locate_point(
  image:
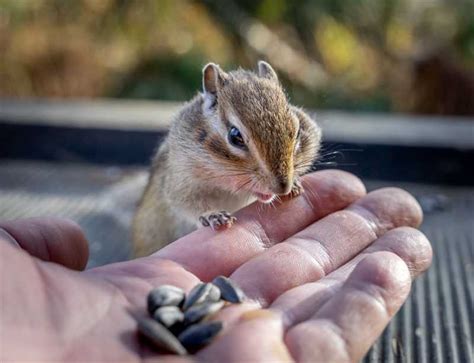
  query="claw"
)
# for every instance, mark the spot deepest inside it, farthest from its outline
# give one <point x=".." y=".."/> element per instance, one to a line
<point x="217" y="220"/>
<point x="204" y="221"/>
<point x="297" y="189"/>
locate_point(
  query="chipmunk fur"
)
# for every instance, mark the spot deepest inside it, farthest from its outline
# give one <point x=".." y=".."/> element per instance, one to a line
<point x="236" y="142"/>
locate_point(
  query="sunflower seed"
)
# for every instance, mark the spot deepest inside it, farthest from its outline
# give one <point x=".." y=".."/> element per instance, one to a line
<point x="214" y="294"/>
<point x="160" y="336"/>
<point x="229" y="290"/>
<point x="198" y="312"/>
<point x="200" y="334"/>
<point x="199" y="294"/>
<point x="164" y="295"/>
<point x="168" y="315"/>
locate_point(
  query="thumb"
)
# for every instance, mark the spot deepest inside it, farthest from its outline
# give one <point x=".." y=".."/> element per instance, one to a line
<point x="49" y="239"/>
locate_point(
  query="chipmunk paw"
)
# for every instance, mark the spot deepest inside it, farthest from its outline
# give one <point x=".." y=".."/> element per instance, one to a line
<point x="217" y="220"/>
<point x="297" y="189"/>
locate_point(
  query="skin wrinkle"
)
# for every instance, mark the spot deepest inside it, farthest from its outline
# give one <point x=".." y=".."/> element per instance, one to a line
<point x="410" y="264"/>
<point x="338" y="333"/>
<point x="45" y="243"/>
<point x="375" y="303"/>
<point x="129" y="304"/>
<point x="154" y="262"/>
<point x="80" y="331"/>
<point x="8" y="238"/>
<point x="259" y="233"/>
<point x="265" y="300"/>
<point x="370" y="219"/>
<point x="112" y="303"/>
<point x="399" y="244"/>
<point x="323" y="249"/>
<point x="329" y="327"/>
<point x="323" y="253"/>
<point x="408" y="213"/>
<point x="380" y="290"/>
<point x="45" y="277"/>
<point x="116" y="286"/>
<point x="174" y="264"/>
<point x="405" y="238"/>
<point x="374" y="294"/>
<point x="321" y="267"/>
<point x="290" y="319"/>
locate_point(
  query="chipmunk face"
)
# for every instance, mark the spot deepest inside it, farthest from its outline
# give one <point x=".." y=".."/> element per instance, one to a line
<point x="256" y="140"/>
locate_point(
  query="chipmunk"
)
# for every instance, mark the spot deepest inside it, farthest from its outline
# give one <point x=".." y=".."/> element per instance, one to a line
<point x="236" y="142"/>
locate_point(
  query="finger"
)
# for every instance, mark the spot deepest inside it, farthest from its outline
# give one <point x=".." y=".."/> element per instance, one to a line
<point x="300" y="303"/>
<point x="350" y="321"/>
<point x="207" y="253"/>
<point x="410" y="244"/>
<point x="327" y="244"/>
<point x="324" y="193"/>
<point x="256" y="338"/>
<point x="49" y="239"/>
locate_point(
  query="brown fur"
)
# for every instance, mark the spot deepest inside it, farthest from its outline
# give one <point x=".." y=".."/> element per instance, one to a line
<point x="197" y="171"/>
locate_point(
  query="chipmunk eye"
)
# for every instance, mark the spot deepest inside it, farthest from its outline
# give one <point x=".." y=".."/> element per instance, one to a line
<point x="235" y="138"/>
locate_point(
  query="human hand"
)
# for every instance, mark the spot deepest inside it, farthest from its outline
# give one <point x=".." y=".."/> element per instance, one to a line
<point x="325" y="272"/>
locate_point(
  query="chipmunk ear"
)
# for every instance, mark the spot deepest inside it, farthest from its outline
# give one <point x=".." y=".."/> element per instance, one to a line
<point x="265" y="70"/>
<point x="213" y="77"/>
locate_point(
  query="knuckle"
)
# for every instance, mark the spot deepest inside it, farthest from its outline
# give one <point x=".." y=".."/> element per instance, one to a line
<point x="387" y="271"/>
<point x="412" y="246"/>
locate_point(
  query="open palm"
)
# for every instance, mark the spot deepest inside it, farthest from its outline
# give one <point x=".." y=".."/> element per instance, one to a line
<point x="325" y="273"/>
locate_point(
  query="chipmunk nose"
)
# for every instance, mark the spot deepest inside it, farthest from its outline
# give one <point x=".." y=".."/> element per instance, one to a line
<point x="282" y="185"/>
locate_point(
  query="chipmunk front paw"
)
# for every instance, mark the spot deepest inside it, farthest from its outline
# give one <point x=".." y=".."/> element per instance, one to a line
<point x="217" y="220"/>
<point x="297" y="189"/>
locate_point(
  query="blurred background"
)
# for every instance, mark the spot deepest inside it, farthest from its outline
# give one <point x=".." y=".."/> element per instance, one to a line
<point x="369" y="55"/>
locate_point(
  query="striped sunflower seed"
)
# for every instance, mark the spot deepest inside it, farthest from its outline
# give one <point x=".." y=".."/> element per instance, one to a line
<point x="229" y="290"/>
<point x="168" y="315"/>
<point x="164" y="295"/>
<point x="200" y="293"/>
<point x="160" y="336"/>
<point x="214" y="294"/>
<point x="198" y="312"/>
<point x="201" y="334"/>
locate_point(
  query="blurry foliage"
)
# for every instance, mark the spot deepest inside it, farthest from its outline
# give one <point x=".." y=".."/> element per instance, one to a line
<point x="381" y="55"/>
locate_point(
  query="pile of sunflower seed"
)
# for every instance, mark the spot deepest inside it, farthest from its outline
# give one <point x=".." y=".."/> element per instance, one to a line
<point x="179" y="323"/>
